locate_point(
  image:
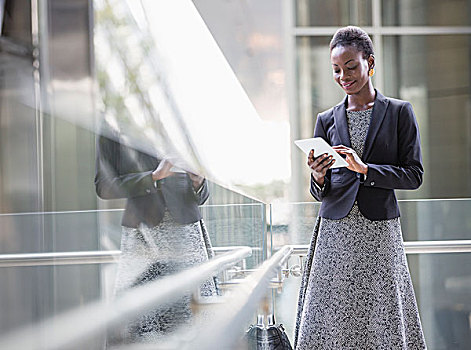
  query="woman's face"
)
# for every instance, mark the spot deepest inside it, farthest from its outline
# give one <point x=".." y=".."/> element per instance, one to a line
<point x="350" y="68"/>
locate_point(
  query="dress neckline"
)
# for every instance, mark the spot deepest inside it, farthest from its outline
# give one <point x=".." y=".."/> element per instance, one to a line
<point x="369" y="110"/>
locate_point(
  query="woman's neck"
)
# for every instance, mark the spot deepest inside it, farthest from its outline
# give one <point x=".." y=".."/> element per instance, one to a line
<point x="364" y="99"/>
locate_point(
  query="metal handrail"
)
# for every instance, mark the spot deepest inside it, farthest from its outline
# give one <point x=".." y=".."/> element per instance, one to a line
<point x="59" y="258"/>
<point x="112" y="256"/>
<point x="78" y="258"/>
<point x="416" y="247"/>
<point x="455" y="246"/>
<point x="76" y="326"/>
<point x="224" y="327"/>
<point x="229" y="248"/>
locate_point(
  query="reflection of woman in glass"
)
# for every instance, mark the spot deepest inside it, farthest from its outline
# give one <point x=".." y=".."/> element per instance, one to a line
<point x="356" y="291"/>
<point x="163" y="232"/>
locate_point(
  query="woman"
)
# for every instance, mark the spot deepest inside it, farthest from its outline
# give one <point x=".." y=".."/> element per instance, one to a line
<point x="162" y="228"/>
<point x="356" y="291"/>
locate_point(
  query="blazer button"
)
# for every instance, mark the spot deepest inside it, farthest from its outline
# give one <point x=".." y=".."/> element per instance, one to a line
<point x="372" y="183"/>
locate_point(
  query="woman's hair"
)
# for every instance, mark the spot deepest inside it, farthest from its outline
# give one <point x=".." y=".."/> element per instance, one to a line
<point x="353" y="36"/>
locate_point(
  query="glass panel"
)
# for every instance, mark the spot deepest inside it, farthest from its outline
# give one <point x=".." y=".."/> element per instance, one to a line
<point x="421" y="220"/>
<point x="442" y="284"/>
<point x="33" y="293"/>
<point x="433" y="73"/>
<point x="53" y="232"/>
<point x="228" y="225"/>
<point x="238" y="225"/>
<point x="426" y="12"/>
<point x="333" y="13"/>
<point x="429" y="220"/>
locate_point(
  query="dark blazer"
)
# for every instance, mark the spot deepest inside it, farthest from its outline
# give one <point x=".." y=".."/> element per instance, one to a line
<point x="123" y="172"/>
<point x="391" y="151"/>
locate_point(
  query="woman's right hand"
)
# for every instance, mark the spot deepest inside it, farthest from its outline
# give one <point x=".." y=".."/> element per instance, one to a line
<point x="319" y="166"/>
<point x="163" y="170"/>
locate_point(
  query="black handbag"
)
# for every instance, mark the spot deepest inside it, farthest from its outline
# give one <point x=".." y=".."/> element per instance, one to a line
<point x="272" y="337"/>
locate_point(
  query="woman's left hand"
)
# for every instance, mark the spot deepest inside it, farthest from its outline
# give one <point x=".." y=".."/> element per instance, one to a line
<point x="354" y="161"/>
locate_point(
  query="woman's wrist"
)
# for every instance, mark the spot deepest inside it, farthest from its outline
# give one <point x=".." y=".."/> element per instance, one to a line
<point x="319" y="181"/>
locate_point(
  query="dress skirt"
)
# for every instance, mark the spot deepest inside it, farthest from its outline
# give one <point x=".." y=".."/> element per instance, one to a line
<point x="356" y="291"/>
<point x="148" y="254"/>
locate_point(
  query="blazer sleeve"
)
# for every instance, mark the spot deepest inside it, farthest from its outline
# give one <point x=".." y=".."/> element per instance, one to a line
<point x="203" y="194"/>
<point x="316" y="191"/>
<point x="109" y="184"/>
<point x="408" y="173"/>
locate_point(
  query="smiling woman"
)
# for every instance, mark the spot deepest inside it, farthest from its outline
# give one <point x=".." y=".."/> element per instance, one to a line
<point x="356" y="290"/>
<point x="353" y="64"/>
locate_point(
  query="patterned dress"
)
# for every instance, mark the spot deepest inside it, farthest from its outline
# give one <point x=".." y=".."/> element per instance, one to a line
<point x="356" y="291"/>
<point x="148" y="254"/>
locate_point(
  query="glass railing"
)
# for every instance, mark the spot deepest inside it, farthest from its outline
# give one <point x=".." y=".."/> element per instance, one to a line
<point x="84" y="248"/>
<point x="55" y="262"/>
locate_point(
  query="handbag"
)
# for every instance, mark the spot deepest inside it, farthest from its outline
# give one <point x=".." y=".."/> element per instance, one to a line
<point x="272" y="337"/>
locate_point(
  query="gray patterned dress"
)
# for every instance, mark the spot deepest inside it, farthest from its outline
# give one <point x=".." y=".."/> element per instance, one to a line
<point x="150" y="253"/>
<point x="356" y="291"/>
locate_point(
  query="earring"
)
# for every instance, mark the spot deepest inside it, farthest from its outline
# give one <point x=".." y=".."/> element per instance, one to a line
<point x="371" y="72"/>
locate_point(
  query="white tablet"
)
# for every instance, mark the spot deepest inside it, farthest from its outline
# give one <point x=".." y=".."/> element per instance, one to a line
<point x="319" y="146"/>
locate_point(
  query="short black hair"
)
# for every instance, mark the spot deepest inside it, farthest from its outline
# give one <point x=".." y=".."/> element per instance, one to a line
<point x="353" y="36"/>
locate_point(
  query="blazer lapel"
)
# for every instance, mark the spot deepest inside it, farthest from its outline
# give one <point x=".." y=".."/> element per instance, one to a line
<point x="340" y="118"/>
<point x="377" y="116"/>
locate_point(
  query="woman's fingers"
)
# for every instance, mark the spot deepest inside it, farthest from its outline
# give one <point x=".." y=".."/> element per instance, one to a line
<point x="322" y="164"/>
<point x="329" y="164"/>
<point x="345" y="151"/>
<point x="321" y="159"/>
<point x="310" y="157"/>
<point x="342" y="148"/>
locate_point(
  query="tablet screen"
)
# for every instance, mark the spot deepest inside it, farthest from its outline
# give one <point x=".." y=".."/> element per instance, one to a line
<point x="319" y="146"/>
